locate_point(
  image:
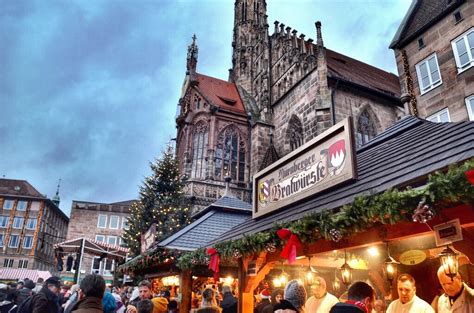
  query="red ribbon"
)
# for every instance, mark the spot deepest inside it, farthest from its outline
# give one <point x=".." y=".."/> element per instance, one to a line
<point x="214" y="262"/>
<point x="470" y="176"/>
<point x="293" y="243"/>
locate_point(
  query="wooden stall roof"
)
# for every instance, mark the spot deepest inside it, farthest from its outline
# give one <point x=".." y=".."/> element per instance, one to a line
<point x="218" y="218"/>
<point x="409" y="150"/>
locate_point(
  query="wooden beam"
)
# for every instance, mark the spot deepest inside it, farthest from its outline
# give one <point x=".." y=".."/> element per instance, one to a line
<point x="186" y="283"/>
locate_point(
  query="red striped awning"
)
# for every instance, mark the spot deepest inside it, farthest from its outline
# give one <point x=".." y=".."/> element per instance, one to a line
<point x="22" y="273"/>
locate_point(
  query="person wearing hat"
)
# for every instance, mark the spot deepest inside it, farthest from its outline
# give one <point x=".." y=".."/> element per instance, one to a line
<point x="265" y="295"/>
<point x="294" y="298"/>
<point x="321" y="301"/>
<point x="209" y="303"/>
<point x="160" y="305"/>
<point x="46" y="300"/>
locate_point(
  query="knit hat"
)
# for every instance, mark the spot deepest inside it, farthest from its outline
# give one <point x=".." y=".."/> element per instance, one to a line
<point x="160" y="305"/>
<point x="53" y="280"/>
<point x="265" y="294"/>
<point x="295" y="293"/>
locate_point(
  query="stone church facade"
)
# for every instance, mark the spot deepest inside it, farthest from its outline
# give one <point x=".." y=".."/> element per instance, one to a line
<point x="282" y="91"/>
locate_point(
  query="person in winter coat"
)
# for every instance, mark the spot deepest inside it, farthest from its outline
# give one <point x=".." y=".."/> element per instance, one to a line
<point x="229" y="302"/>
<point x="8" y="300"/>
<point x="361" y="298"/>
<point x="92" y="290"/>
<point x="294" y="298"/>
<point x="265" y="296"/>
<point x="72" y="300"/>
<point x="46" y="300"/>
<point x="26" y="291"/>
<point x="108" y="303"/>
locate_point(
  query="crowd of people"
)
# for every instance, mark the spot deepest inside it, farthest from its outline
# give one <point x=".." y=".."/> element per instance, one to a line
<point x="92" y="296"/>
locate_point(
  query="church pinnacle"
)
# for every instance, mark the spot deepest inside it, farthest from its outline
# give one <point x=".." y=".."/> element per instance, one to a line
<point x="56" y="198"/>
<point x="192" y="57"/>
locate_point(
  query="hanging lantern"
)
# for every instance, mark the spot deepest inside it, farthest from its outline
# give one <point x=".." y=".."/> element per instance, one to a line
<point x="449" y="261"/>
<point x="310" y="274"/>
<point x="390" y="267"/>
<point x="346" y="271"/>
<point x="283" y="278"/>
<point x="336" y="285"/>
<point x="276" y="282"/>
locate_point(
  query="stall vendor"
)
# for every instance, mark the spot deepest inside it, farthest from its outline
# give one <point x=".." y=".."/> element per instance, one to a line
<point x="458" y="296"/>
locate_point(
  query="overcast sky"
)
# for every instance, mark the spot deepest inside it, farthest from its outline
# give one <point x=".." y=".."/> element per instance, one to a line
<point x="89" y="88"/>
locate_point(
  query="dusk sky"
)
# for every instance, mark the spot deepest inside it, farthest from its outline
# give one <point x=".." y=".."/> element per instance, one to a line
<point x="89" y="88"/>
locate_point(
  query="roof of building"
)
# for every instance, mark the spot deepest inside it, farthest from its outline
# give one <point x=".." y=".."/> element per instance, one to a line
<point x="23" y="189"/>
<point x="99" y="206"/>
<point x="15" y="187"/>
<point x="218" y="218"/>
<point x="421" y="15"/>
<point x="409" y="150"/>
<point x="362" y="74"/>
<point x="220" y="93"/>
<point x="270" y="156"/>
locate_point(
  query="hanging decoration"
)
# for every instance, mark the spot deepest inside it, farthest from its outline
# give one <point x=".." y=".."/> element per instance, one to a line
<point x="214" y="262"/>
<point x="335" y="234"/>
<point x="292" y="244"/>
<point x="470" y="176"/>
<point x="423" y="213"/>
<point x="270" y="247"/>
<point x="237" y="254"/>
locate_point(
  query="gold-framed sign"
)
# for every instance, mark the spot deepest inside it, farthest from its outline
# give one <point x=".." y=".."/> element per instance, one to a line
<point x="321" y="163"/>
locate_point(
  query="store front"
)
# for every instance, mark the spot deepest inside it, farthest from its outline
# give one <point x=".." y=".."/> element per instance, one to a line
<point x="376" y="213"/>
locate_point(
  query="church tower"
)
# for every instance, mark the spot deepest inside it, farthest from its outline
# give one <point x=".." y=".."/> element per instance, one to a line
<point x="250" y="56"/>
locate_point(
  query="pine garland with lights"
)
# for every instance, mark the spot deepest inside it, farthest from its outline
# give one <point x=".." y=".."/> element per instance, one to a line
<point x="161" y="201"/>
<point x="443" y="190"/>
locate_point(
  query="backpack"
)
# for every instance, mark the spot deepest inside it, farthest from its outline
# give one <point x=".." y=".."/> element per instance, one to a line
<point x="25" y="306"/>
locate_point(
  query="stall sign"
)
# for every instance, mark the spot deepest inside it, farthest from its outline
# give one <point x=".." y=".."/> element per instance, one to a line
<point x="448" y="232"/>
<point x="412" y="257"/>
<point x="321" y="163"/>
<point x="148" y="238"/>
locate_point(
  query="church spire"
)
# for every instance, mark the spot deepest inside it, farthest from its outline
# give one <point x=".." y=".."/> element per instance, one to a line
<point x="56" y="198"/>
<point x="192" y="57"/>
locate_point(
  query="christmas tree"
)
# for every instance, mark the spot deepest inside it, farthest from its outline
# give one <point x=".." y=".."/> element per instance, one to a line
<point x="161" y="201"/>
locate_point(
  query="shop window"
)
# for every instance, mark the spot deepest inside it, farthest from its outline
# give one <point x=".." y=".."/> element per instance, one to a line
<point x="8" y="263"/>
<point x="102" y="221"/>
<point x="3" y="221"/>
<point x="28" y="242"/>
<point x="470" y="107"/>
<point x="114" y="222"/>
<point x="21" y="206"/>
<point x="23" y="264"/>
<point x="200" y="138"/>
<point x="428" y="74"/>
<point x="31" y="224"/>
<point x="230" y="155"/>
<point x="18" y="222"/>
<point x="440" y="117"/>
<point x="463" y="48"/>
<point x="295" y="132"/>
<point x="7" y="204"/>
<point x="13" y="243"/>
<point x="365" y="129"/>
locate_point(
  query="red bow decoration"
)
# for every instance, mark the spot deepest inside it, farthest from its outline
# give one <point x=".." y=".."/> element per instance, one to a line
<point x="470" y="176"/>
<point x="293" y="243"/>
<point x="214" y="262"/>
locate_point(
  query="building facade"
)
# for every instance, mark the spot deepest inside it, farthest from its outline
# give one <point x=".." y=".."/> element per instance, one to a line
<point x="102" y="222"/>
<point x="434" y="49"/>
<point x="282" y="91"/>
<point x="30" y="224"/>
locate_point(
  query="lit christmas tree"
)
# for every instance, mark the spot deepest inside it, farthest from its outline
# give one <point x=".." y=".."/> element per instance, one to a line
<point x="161" y="201"/>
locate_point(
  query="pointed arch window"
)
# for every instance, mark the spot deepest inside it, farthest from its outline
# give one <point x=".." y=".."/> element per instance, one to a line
<point x="230" y="155"/>
<point x="365" y="128"/>
<point x="295" y="132"/>
<point x="199" y="145"/>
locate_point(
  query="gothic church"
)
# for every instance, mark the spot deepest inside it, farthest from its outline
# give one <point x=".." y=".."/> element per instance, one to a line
<point x="282" y="91"/>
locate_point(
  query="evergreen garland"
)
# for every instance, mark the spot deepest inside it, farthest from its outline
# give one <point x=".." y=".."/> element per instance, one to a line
<point x="443" y="190"/>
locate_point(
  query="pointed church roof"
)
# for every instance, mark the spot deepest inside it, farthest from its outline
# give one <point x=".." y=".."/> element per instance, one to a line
<point x="362" y="74"/>
<point x="220" y="93"/>
<point x="270" y="156"/>
<point x="421" y="15"/>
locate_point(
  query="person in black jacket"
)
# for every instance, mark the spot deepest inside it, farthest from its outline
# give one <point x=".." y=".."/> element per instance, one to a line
<point x="229" y="302"/>
<point x="46" y="300"/>
<point x="361" y="297"/>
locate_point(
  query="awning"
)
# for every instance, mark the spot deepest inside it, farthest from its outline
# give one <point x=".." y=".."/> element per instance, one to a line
<point x="93" y="247"/>
<point x="22" y="273"/>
